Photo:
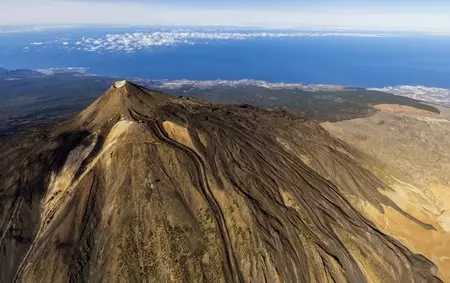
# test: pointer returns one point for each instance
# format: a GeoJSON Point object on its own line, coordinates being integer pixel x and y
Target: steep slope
{"type": "Point", "coordinates": [145, 187]}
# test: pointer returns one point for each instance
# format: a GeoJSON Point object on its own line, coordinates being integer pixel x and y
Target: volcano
{"type": "Point", "coordinates": [146, 187]}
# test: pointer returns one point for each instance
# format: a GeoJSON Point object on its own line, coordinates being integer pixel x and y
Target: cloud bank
{"type": "Point", "coordinates": [130, 42]}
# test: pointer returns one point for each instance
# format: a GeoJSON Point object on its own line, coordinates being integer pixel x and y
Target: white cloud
{"type": "Point", "coordinates": [130, 42]}
{"type": "Point", "coordinates": [435, 95]}
{"type": "Point", "coordinates": [22, 29]}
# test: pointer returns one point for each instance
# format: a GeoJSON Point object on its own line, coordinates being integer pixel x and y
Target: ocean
{"type": "Point", "coordinates": [350, 58]}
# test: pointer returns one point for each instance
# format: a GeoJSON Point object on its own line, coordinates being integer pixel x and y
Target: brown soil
{"type": "Point", "coordinates": [144, 187]}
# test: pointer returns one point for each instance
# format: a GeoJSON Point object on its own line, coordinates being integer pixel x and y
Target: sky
{"type": "Point", "coordinates": [408, 15]}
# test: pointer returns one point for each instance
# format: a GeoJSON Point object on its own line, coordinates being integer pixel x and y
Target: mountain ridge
{"type": "Point", "coordinates": [142, 186]}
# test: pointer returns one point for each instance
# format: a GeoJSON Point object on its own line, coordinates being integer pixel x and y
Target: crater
{"type": "Point", "coordinates": [119, 84]}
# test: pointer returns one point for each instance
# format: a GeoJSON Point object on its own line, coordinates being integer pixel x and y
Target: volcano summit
{"type": "Point", "coordinates": [147, 187]}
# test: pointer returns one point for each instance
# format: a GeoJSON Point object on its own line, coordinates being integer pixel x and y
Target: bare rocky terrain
{"type": "Point", "coordinates": [408, 149]}
{"type": "Point", "coordinates": [146, 187]}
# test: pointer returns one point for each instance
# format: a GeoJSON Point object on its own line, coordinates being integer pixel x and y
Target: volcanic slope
{"type": "Point", "coordinates": [146, 187]}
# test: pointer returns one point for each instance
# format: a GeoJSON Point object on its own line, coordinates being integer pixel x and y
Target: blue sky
{"type": "Point", "coordinates": [379, 5]}
{"type": "Point", "coordinates": [418, 15]}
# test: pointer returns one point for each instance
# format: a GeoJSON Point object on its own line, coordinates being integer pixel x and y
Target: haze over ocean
{"type": "Point", "coordinates": [351, 58]}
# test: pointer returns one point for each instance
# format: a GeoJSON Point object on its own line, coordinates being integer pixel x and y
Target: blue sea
{"type": "Point", "coordinates": [350, 58]}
